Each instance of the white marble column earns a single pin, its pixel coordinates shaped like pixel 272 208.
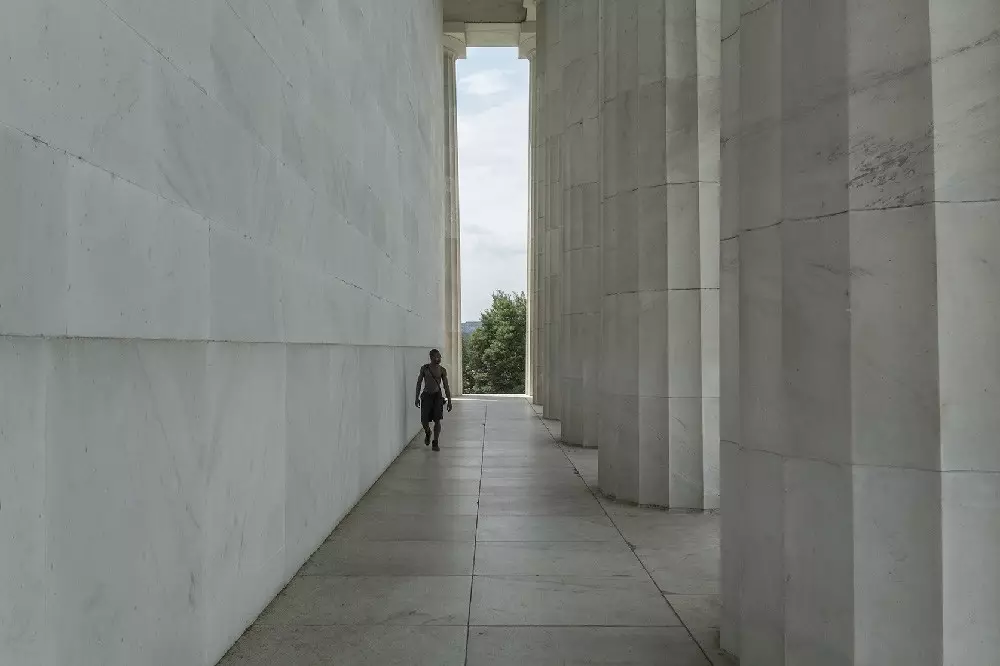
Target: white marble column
pixel 729 326
pixel 531 344
pixel 862 225
pixel 549 58
pixel 581 259
pixel 659 379
pixel 539 231
pixel 692 159
pixel 452 352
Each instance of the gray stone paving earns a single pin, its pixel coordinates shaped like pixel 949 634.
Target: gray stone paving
pixel 498 550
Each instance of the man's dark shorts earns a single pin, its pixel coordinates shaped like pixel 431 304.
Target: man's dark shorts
pixel 431 407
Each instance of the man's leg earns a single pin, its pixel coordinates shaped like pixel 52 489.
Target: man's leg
pixel 426 414
pixel 437 431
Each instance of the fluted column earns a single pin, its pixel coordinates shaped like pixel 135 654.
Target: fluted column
pixel 862 219
pixel 550 57
pixel 729 326
pixel 659 380
pixel 620 442
pixel 539 231
pixel 581 260
pixel 531 346
pixel 452 352
pixel 692 159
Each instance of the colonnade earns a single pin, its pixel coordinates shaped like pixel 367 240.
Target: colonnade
pixel 768 233
pixel 861 332
pixel 625 240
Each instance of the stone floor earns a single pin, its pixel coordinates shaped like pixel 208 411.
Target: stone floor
pixel 498 550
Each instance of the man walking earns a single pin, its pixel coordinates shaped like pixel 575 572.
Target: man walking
pixel 431 402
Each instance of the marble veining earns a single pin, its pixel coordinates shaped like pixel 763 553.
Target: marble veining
pixel 206 248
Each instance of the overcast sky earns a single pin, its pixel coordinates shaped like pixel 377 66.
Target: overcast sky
pixel 493 175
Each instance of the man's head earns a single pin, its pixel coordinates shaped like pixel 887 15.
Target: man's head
pixel 435 357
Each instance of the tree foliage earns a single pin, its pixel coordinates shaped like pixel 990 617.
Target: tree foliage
pixel 494 354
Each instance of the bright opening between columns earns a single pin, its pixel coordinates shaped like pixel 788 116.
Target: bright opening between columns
pixel 493 151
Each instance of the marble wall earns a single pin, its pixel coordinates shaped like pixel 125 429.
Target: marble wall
pixel 220 229
pixel 861 209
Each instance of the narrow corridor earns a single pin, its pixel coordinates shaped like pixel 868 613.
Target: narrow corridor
pixel 497 550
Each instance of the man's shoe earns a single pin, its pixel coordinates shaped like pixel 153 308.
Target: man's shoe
pixel 427 440
pixel 435 447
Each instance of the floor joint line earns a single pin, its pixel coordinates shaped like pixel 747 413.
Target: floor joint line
pixel 663 595
pixel 475 536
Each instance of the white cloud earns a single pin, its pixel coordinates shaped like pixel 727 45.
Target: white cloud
pixel 493 181
pixel 485 83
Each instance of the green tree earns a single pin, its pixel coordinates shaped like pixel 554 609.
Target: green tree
pixel 494 354
pixel 468 381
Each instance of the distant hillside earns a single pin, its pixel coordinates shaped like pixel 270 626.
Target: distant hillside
pixel 469 326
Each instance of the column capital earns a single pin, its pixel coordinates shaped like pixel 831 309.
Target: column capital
pixel 527 43
pixel 454 43
pixel 527 47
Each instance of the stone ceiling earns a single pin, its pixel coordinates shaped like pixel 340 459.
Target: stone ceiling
pixel 484 11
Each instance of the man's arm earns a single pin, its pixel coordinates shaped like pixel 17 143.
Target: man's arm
pixel 420 380
pixel 447 389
